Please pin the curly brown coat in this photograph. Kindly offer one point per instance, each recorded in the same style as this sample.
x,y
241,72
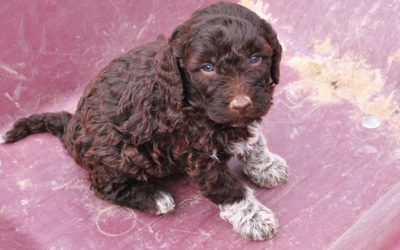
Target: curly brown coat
x,y
166,107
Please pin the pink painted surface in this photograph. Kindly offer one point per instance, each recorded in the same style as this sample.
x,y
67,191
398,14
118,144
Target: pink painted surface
x,y
341,63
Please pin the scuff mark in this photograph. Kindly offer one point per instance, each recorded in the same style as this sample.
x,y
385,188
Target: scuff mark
x,y
11,73
3,209
195,199
43,42
24,203
18,90
71,184
24,184
8,96
146,25
368,16
109,214
21,36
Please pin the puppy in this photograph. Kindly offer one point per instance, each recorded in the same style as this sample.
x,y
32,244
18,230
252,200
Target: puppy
x,y
182,105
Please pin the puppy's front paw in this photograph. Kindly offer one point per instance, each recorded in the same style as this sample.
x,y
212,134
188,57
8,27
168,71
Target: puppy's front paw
x,y
164,202
250,218
269,173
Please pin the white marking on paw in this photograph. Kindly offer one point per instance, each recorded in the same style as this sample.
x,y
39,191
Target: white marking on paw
x,y
250,218
244,148
263,167
165,203
269,173
2,139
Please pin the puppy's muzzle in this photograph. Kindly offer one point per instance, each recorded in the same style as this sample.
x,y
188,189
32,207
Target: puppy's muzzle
x,y
240,103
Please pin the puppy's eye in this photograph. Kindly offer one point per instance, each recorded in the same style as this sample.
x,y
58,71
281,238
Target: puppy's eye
x,y
255,59
208,68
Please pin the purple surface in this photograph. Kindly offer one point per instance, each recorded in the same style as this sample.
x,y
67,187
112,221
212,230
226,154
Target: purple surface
x,y
341,64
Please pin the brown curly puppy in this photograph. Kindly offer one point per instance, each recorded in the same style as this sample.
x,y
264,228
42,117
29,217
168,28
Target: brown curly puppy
x,y
185,105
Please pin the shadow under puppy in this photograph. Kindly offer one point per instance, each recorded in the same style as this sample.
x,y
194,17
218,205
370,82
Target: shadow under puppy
x,y
185,105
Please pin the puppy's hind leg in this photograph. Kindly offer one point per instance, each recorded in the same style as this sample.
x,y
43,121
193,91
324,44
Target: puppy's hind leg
x,y
123,190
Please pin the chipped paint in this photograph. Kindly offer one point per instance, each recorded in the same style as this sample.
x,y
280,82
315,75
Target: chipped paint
x,y
324,47
393,57
327,78
259,7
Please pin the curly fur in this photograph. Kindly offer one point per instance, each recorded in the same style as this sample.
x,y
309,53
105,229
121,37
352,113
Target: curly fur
x,y
264,168
250,218
154,112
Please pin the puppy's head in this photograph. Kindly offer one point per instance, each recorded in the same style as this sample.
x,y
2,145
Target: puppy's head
x,y
230,61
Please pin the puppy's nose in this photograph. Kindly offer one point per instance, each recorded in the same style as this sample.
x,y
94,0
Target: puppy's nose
x,y
240,103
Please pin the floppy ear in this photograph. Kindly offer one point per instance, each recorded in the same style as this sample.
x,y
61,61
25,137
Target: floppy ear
x,y
180,41
176,42
169,94
272,38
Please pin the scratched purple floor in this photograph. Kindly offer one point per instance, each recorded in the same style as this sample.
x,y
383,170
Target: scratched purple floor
x,y
344,187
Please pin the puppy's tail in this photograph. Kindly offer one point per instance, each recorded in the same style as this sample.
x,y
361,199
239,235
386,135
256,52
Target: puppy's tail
x,y
54,123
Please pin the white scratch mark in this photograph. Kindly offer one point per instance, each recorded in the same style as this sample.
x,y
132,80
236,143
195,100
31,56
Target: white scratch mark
x,y
12,73
18,90
21,36
146,25
103,213
43,42
73,184
7,95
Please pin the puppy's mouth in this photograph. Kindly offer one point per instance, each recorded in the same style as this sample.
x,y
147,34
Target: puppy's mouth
x,y
241,123
235,118
235,122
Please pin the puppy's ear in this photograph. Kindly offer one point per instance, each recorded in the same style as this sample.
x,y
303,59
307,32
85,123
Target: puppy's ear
x,y
272,38
169,92
177,41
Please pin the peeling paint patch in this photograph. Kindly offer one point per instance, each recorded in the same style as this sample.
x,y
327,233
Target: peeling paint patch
x,y
260,8
327,78
393,57
324,47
